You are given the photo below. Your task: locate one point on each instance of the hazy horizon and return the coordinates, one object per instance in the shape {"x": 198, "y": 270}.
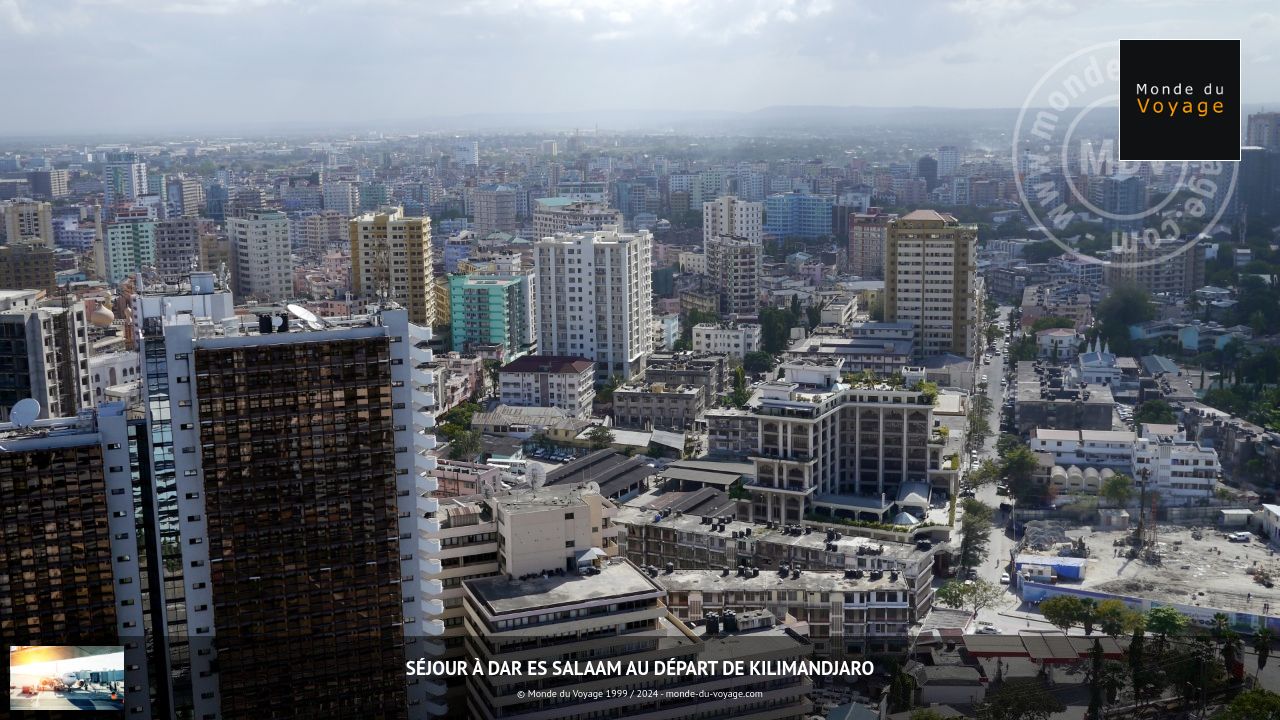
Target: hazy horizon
{"x": 105, "y": 67}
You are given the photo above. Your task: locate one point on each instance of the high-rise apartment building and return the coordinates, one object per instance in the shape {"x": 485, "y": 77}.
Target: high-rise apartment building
{"x": 734, "y": 266}
{"x": 320, "y": 231}
{"x": 797, "y": 214}
{"x": 1264, "y": 131}
{"x": 1122, "y": 200}
{"x": 44, "y": 355}
{"x": 124, "y": 178}
{"x": 27, "y": 221}
{"x": 28, "y": 267}
{"x": 262, "y": 267}
{"x": 49, "y": 184}
{"x": 557, "y": 215}
{"x": 177, "y": 247}
{"x": 729, "y": 216}
{"x": 1162, "y": 267}
{"x": 128, "y": 247}
{"x": 931, "y": 280}
{"x": 291, "y": 470}
{"x": 595, "y": 298}
{"x": 567, "y": 383}
{"x": 342, "y": 197}
{"x": 948, "y": 161}
{"x": 72, "y": 561}
{"x": 868, "y": 234}
{"x": 184, "y": 196}
{"x": 391, "y": 258}
{"x": 489, "y": 315}
{"x": 494, "y": 209}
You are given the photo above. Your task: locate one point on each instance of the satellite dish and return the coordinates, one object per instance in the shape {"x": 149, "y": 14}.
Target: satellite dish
{"x": 307, "y": 317}
{"x": 591, "y": 488}
{"x": 277, "y": 321}
{"x": 25, "y": 412}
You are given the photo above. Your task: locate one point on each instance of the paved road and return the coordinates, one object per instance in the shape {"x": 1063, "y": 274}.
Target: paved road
{"x": 69, "y": 700}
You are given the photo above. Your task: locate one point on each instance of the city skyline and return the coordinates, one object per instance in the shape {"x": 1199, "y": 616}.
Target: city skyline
{"x": 229, "y": 64}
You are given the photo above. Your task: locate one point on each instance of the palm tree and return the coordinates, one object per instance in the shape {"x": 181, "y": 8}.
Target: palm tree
{"x": 1232, "y": 649}
{"x": 1262, "y": 645}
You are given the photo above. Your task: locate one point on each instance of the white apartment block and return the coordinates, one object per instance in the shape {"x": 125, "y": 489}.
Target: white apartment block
{"x": 692, "y": 262}
{"x": 1177, "y": 467}
{"x": 342, "y": 197}
{"x": 261, "y": 257}
{"x": 595, "y": 298}
{"x": 732, "y": 340}
{"x": 727, "y": 215}
{"x": 567, "y": 383}
{"x": 1086, "y": 448}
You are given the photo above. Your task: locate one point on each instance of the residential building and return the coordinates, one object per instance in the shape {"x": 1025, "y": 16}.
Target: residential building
{"x": 734, "y": 266}
{"x": 111, "y": 369}
{"x": 49, "y": 184}
{"x": 732, "y": 340}
{"x": 595, "y": 299}
{"x": 1121, "y": 199}
{"x": 342, "y": 197}
{"x": 320, "y": 231}
{"x": 931, "y": 281}
{"x": 560, "y": 214}
{"x": 709, "y": 371}
{"x": 45, "y": 355}
{"x": 185, "y": 196}
{"x": 567, "y": 383}
{"x": 489, "y": 315}
{"x": 868, "y": 235}
{"x": 1264, "y": 131}
{"x": 378, "y": 242}
{"x": 659, "y": 406}
{"x": 73, "y": 566}
{"x": 1163, "y": 267}
{"x": 494, "y": 209}
{"x": 262, "y": 266}
{"x": 28, "y": 267}
{"x": 1066, "y": 300}
{"x": 1058, "y": 343}
{"x": 1173, "y": 466}
{"x": 124, "y": 178}
{"x": 797, "y": 214}
{"x": 1086, "y": 448}
{"x": 250, "y": 477}
{"x": 27, "y": 221}
{"x": 727, "y": 216}
{"x": 177, "y": 247}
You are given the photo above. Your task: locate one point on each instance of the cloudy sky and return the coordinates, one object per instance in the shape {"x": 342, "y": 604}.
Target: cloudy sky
{"x": 147, "y": 65}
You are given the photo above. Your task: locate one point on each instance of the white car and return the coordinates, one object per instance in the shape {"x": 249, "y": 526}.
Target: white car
{"x": 985, "y": 378}
{"x": 1004, "y": 578}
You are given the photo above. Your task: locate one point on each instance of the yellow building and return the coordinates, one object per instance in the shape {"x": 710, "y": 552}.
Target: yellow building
{"x": 931, "y": 280}
{"x": 391, "y": 258}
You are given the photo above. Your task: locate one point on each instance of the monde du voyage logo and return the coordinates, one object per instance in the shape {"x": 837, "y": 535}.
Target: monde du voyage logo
{"x": 1180, "y": 100}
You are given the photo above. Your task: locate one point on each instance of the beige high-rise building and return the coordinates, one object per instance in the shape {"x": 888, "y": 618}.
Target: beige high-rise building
{"x": 28, "y": 221}
{"x": 730, "y": 216}
{"x": 867, "y": 234}
{"x": 931, "y": 280}
{"x": 322, "y": 230}
{"x": 177, "y": 247}
{"x": 494, "y": 209}
{"x": 261, "y": 261}
{"x": 734, "y": 265}
{"x": 595, "y": 299}
{"x": 24, "y": 266}
{"x": 391, "y": 257}
{"x": 1160, "y": 268}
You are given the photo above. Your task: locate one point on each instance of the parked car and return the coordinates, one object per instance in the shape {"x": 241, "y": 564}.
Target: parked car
{"x": 1004, "y": 578}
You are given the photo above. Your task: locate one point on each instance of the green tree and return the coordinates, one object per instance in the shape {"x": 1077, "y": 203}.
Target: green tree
{"x": 1050, "y": 322}
{"x": 1020, "y": 699}
{"x": 1256, "y": 704}
{"x": 987, "y": 472}
{"x": 925, "y": 714}
{"x": 1262, "y": 646}
{"x": 1097, "y": 693}
{"x": 465, "y": 445}
{"x": 739, "y": 396}
{"x": 876, "y": 309}
{"x": 757, "y": 362}
{"x": 1063, "y": 611}
{"x": 1127, "y": 304}
{"x": 1115, "y": 618}
{"x": 600, "y": 437}
{"x": 1006, "y": 443}
{"x": 1166, "y": 622}
{"x": 605, "y": 392}
{"x": 975, "y": 532}
{"x": 1118, "y": 489}
{"x": 1018, "y": 468}
{"x": 971, "y": 594}
{"x": 1154, "y": 411}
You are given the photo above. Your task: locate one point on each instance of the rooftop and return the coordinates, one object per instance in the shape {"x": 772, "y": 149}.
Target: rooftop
{"x": 548, "y": 363}
{"x": 769, "y": 579}
{"x": 617, "y": 580}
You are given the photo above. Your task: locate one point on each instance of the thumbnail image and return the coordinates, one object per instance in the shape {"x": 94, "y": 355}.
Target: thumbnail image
{"x": 66, "y": 677}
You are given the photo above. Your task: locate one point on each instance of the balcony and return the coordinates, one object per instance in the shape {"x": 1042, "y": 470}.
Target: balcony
{"x": 428, "y": 483}
{"x": 427, "y": 504}
{"x": 423, "y": 376}
{"x": 424, "y": 440}
{"x": 432, "y": 687}
{"x": 433, "y": 628}
{"x": 435, "y": 709}
{"x": 431, "y": 587}
{"x": 434, "y": 606}
{"x": 431, "y": 547}
{"x": 420, "y": 355}
{"x": 424, "y": 420}
{"x": 431, "y": 526}
{"x": 430, "y": 647}
{"x": 431, "y": 566}
{"x": 419, "y": 333}
{"x": 426, "y": 463}
{"x": 424, "y": 398}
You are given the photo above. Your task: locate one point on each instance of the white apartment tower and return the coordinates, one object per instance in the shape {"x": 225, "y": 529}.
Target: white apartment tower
{"x": 727, "y": 215}
{"x": 262, "y": 266}
{"x": 343, "y": 197}
{"x": 595, "y": 295}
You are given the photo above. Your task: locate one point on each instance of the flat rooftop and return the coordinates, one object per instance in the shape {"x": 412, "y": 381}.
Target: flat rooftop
{"x": 1209, "y": 572}
{"x": 617, "y": 580}
{"x": 770, "y": 579}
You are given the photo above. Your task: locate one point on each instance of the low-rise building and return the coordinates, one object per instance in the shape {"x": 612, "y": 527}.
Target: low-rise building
{"x": 1174, "y": 466}
{"x": 549, "y": 381}
{"x": 660, "y": 406}
{"x": 709, "y": 371}
{"x": 726, "y": 339}
{"x": 1057, "y": 343}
